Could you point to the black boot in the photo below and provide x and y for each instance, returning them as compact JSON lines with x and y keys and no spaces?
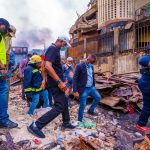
{"x":33,"y":129}
{"x":8,"y":124}
{"x":92,"y":113}
{"x":67,"y":126}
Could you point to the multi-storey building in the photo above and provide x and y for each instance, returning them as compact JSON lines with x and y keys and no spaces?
{"x":123,"y":31}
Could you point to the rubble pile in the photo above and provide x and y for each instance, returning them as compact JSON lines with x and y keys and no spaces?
{"x":104,"y":132}
{"x":120,"y":91}
{"x":142,"y":143}
{"x":96,"y":132}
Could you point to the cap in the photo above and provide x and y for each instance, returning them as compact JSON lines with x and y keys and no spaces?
{"x":13,"y":31}
{"x":4,"y":22}
{"x":65,"y":39}
{"x":69,"y":59}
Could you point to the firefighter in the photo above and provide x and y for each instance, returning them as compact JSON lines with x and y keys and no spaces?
{"x":4,"y":117}
{"x":144,"y":85}
{"x":33,"y":83}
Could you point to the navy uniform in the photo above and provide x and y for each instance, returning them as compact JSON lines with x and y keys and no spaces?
{"x":144,"y":85}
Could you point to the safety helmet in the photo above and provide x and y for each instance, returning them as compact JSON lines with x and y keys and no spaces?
{"x":35,"y":59}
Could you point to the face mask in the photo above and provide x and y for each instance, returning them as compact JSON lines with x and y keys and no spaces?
{"x":63,"y":49}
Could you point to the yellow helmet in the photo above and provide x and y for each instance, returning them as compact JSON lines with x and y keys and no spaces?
{"x":35,"y":59}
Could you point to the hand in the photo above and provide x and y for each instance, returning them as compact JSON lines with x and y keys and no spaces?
{"x":7,"y":56}
{"x":76,"y":95}
{"x":4,"y":72}
{"x":67,"y":92}
{"x":43,"y":86}
{"x":62,"y":86}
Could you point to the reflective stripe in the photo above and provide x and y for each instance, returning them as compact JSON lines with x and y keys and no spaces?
{"x":28,"y":89}
{"x":35,"y":70}
{"x":33,"y":89}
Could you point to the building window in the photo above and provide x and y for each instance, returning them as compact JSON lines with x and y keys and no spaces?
{"x":142,"y":34}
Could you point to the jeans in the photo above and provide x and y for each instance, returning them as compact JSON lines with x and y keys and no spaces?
{"x":60,"y":107}
{"x":4,"y":117}
{"x":35,"y":100}
{"x":23,"y":94}
{"x":90,"y":91}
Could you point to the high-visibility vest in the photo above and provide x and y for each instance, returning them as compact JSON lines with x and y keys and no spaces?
{"x":2,"y":51}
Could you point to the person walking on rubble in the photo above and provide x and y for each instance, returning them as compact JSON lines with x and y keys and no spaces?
{"x":84,"y":86}
{"x":5,"y":30}
{"x":144,"y":85}
{"x":55,"y":83}
{"x":33,"y":83}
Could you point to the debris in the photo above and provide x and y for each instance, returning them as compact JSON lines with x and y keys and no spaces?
{"x":88,"y":125}
{"x":36,"y":141}
{"x":88,"y":144}
{"x":138,"y":134}
{"x":124,"y":140}
{"x":119,"y":91}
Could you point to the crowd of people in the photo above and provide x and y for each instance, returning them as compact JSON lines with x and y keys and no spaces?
{"x":48,"y":81}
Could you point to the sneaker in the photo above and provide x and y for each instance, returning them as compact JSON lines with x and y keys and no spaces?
{"x":92,"y":113}
{"x":67,"y":126}
{"x":143,"y":129}
{"x":8,"y":124}
{"x":33,"y":129}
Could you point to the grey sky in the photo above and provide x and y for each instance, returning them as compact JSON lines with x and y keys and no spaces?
{"x":35,"y":16}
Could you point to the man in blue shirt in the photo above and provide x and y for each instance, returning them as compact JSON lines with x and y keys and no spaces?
{"x":84,"y":86}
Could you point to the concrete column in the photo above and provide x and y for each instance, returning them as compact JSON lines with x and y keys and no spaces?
{"x":85,"y":47}
{"x":116,"y":50}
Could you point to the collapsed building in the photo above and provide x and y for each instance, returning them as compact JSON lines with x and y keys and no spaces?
{"x":117,"y":31}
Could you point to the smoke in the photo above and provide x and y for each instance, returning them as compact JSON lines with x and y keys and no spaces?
{"x":36,"y":19}
{"x":28,"y":33}
{"x":33,"y":37}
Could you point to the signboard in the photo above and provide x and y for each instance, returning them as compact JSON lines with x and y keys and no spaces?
{"x":20,"y":50}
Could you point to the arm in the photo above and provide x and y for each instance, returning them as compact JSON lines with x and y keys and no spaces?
{"x":75,"y":78}
{"x":93,"y":76}
{"x":52,"y":73}
{"x":43,"y":72}
{"x":27,"y":81}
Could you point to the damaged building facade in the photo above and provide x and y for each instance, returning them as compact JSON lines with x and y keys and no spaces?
{"x":118,"y":35}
